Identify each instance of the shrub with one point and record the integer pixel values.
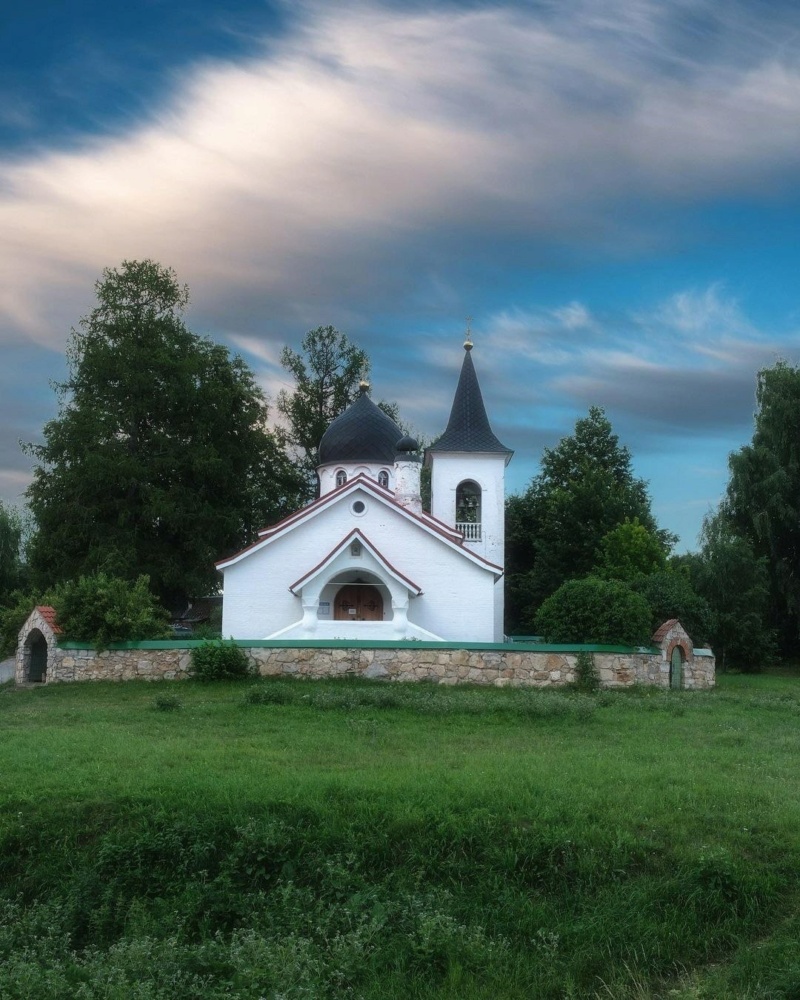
(586, 676)
(671, 595)
(594, 610)
(103, 609)
(219, 661)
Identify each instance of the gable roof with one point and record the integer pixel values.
(356, 534)
(468, 429)
(454, 539)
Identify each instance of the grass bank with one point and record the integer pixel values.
(322, 839)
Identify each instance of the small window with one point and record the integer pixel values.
(341, 477)
(383, 479)
(468, 503)
(358, 507)
(468, 510)
(355, 549)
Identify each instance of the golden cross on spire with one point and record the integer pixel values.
(468, 335)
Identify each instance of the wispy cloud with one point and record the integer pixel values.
(351, 146)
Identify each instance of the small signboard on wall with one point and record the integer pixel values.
(324, 610)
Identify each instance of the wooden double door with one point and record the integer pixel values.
(358, 602)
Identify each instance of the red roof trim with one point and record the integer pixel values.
(365, 482)
(662, 630)
(49, 614)
(357, 533)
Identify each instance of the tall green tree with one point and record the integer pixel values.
(736, 584)
(763, 499)
(12, 566)
(326, 372)
(585, 489)
(630, 551)
(159, 461)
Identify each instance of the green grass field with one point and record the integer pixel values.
(286, 840)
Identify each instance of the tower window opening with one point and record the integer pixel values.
(341, 477)
(468, 510)
(383, 479)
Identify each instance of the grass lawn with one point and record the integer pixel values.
(288, 839)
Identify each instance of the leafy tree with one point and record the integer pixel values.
(763, 500)
(735, 583)
(629, 551)
(104, 609)
(327, 372)
(12, 567)
(671, 595)
(584, 490)
(595, 610)
(159, 462)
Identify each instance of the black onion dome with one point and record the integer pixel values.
(363, 433)
(468, 429)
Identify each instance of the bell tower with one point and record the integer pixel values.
(468, 470)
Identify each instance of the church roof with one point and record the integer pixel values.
(468, 429)
(450, 536)
(363, 433)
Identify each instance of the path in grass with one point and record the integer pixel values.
(347, 839)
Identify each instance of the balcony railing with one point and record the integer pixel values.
(470, 531)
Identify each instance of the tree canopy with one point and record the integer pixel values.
(584, 490)
(159, 461)
(12, 568)
(326, 374)
(763, 497)
(736, 584)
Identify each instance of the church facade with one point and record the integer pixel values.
(364, 560)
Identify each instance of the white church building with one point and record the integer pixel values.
(364, 560)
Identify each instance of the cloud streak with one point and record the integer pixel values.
(288, 180)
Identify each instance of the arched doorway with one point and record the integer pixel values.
(676, 668)
(358, 602)
(37, 657)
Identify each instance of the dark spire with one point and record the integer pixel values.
(468, 428)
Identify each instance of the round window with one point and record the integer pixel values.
(358, 507)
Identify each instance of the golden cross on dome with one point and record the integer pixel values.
(468, 335)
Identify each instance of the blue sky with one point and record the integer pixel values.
(609, 190)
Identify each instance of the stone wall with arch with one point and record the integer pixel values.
(495, 664)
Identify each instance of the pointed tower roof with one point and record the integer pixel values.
(468, 429)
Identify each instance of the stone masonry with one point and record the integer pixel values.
(442, 663)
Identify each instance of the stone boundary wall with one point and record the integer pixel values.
(514, 665)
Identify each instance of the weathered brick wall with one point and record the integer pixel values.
(498, 667)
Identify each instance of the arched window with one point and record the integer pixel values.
(341, 477)
(383, 479)
(468, 510)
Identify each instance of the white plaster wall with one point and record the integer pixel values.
(257, 599)
(458, 599)
(488, 471)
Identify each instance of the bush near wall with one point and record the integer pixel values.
(595, 611)
(219, 661)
